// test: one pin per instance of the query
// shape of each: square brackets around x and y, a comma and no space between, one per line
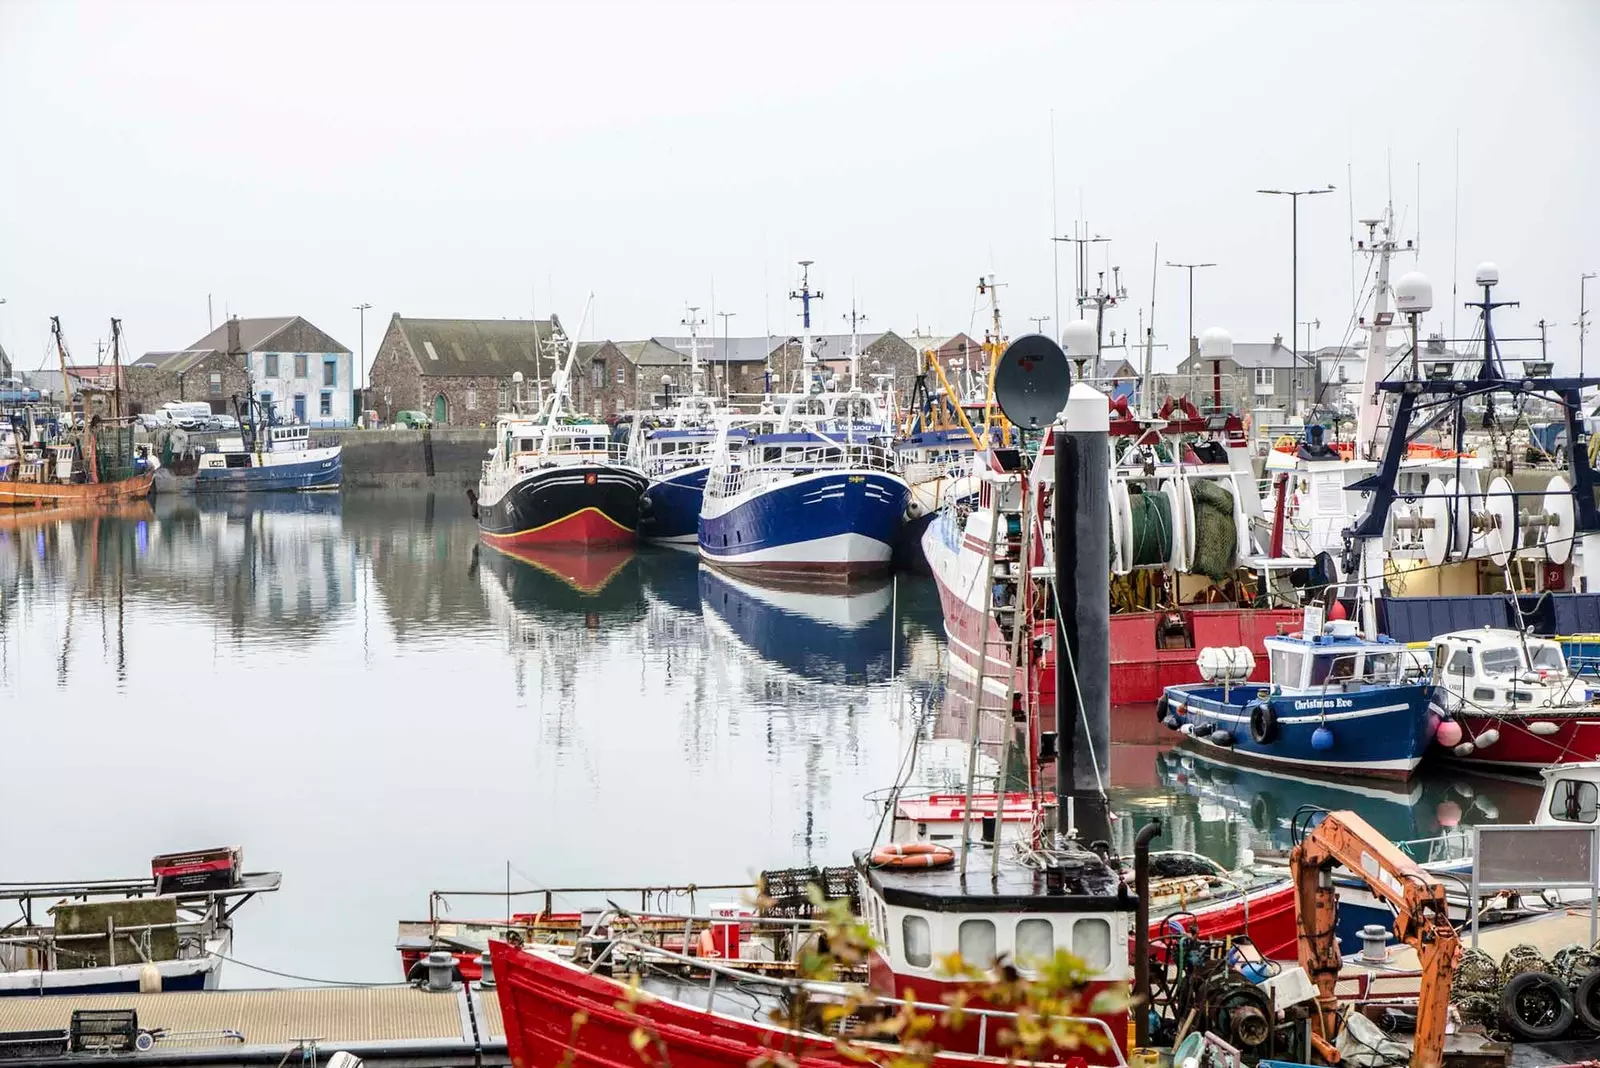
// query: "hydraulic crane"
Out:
[1422,920]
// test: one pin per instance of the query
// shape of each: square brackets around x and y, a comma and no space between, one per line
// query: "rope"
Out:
[304,978]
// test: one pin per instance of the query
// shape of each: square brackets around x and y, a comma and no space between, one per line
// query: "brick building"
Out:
[186,375]
[459,372]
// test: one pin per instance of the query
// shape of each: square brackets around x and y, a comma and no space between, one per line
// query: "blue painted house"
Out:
[307,375]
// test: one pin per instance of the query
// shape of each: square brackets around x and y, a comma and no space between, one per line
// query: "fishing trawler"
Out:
[94,462]
[268,457]
[819,494]
[673,449]
[555,477]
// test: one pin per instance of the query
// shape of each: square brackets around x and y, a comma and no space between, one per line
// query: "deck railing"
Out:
[751,471]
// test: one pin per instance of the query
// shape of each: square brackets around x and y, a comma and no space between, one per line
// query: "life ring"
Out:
[1263,723]
[913,855]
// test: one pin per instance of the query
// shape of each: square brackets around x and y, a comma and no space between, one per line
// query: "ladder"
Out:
[1006,613]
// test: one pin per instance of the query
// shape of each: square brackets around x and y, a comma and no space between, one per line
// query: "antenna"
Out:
[1455,242]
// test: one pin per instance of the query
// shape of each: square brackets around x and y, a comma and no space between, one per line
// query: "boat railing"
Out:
[926,471]
[651,898]
[753,471]
[999,1017]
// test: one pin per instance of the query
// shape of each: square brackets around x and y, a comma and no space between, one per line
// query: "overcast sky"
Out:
[456,160]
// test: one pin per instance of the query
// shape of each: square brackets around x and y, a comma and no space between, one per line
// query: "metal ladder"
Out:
[1006,567]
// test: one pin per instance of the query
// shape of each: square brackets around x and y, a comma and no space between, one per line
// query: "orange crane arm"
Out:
[1422,921]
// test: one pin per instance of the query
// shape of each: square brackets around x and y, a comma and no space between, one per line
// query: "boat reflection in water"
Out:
[821,633]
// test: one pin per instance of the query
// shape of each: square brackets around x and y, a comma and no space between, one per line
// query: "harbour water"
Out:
[362,697]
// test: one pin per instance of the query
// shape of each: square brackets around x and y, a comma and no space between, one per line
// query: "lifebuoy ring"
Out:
[1263,723]
[913,855]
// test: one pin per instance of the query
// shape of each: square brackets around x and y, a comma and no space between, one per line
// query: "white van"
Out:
[188,415]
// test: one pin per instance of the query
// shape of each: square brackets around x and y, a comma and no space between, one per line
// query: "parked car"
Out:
[154,420]
[411,421]
[188,415]
[223,422]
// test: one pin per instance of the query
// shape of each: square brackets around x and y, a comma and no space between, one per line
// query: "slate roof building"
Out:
[1260,375]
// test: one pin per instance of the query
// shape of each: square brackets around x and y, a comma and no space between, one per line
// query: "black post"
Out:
[1083,611]
[1141,931]
[1294,290]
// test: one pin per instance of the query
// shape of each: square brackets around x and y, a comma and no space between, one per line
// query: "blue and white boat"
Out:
[270,458]
[812,492]
[1339,702]
[677,460]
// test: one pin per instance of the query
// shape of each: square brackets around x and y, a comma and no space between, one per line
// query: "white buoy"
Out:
[1543,728]
[149,979]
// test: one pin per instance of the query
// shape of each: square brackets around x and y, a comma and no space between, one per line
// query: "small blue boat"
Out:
[286,460]
[1338,703]
[676,459]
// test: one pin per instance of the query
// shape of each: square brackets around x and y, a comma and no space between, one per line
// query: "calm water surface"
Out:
[361,697]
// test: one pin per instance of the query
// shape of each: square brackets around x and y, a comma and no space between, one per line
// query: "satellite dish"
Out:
[1031,381]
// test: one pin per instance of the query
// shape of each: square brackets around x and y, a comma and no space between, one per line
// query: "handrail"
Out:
[814,986]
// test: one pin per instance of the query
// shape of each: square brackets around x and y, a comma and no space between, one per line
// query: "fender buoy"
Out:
[1537,1006]
[1162,704]
[1263,723]
[913,855]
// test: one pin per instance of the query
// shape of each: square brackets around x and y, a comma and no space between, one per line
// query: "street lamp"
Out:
[1190,267]
[1294,196]
[727,381]
[361,379]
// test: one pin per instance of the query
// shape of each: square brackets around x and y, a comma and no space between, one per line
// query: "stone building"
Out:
[459,372]
[880,354]
[186,375]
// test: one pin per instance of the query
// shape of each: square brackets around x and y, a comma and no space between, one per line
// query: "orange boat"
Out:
[19,493]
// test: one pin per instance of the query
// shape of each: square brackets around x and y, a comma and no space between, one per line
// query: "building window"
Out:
[325,405]
[1036,943]
[599,374]
[270,361]
[300,365]
[918,941]
[1263,380]
[472,400]
[622,375]
[975,939]
[215,381]
[505,396]
[1091,941]
[330,372]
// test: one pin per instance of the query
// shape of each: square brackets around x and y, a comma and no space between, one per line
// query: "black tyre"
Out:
[1587,1001]
[1162,706]
[1537,1007]
[1263,723]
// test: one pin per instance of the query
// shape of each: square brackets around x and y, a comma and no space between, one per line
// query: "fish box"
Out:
[202,869]
[103,1030]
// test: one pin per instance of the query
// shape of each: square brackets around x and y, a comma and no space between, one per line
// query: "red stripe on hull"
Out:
[585,528]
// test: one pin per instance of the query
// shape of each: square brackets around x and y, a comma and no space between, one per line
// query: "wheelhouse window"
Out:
[918,940]
[1036,942]
[1460,664]
[1547,657]
[975,940]
[1091,940]
[1501,661]
[1286,666]
[1574,801]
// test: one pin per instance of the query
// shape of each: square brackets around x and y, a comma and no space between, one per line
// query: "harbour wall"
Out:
[437,459]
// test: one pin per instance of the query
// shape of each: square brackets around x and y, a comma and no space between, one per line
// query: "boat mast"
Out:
[994,344]
[1377,329]
[560,386]
[693,321]
[116,368]
[805,296]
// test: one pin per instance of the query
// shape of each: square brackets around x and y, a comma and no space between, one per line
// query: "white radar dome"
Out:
[1080,340]
[1216,344]
[1413,294]
[1487,274]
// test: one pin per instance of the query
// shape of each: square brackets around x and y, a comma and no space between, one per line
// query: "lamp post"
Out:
[360,390]
[727,381]
[1189,346]
[1294,196]
[1583,314]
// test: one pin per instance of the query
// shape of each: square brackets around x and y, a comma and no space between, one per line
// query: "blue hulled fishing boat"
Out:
[1340,702]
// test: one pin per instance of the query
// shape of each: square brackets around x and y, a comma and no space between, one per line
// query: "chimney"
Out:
[233,335]
[1277,341]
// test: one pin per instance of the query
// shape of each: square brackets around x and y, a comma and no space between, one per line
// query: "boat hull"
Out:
[670,509]
[577,505]
[46,494]
[556,1013]
[1382,732]
[1566,736]
[838,524]
[318,472]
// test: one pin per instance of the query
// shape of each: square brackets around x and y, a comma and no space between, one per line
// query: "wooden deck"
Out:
[391,1024]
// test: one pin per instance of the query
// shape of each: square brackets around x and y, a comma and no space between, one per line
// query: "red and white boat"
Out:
[1510,700]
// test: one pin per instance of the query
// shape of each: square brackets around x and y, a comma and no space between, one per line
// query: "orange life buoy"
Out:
[914,855]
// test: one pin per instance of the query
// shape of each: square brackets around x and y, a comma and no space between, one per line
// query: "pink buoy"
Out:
[1449,734]
[1449,813]
[1336,611]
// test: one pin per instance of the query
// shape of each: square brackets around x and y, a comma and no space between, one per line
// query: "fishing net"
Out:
[1215,535]
[1523,958]
[1480,1009]
[1152,529]
[1172,865]
[1476,973]
[1571,963]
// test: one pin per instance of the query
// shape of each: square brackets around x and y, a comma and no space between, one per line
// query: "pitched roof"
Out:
[174,362]
[719,350]
[253,333]
[476,346]
[1255,354]
[836,346]
[652,353]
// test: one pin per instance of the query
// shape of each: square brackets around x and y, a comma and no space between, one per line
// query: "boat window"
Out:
[1483,693]
[1460,663]
[1501,661]
[1036,942]
[1332,670]
[524,444]
[1091,940]
[1548,657]
[976,942]
[1286,667]
[1383,667]
[918,941]
[1574,801]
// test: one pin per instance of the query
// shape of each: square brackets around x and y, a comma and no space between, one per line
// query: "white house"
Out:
[303,373]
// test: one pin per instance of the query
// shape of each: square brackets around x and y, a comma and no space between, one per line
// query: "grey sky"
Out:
[457,160]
